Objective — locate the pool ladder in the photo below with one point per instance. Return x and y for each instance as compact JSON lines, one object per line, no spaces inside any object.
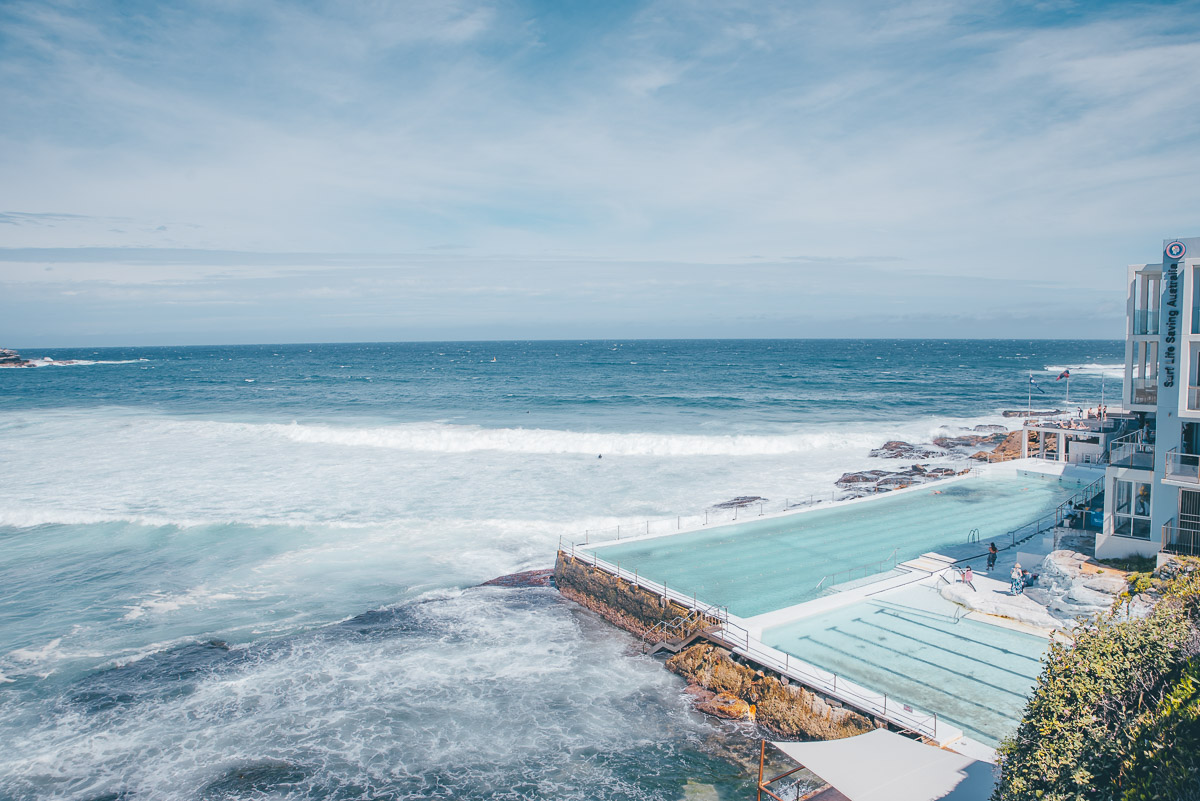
{"x":973,"y":535}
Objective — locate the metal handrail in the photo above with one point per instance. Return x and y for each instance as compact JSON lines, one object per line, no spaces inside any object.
{"x":880,"y":704}
{"x":1174,"y":543}
{"x":876,"y":704}
{"x":713,"y":515}
{"x":1174,"y":460}
{"x":850,"y":570}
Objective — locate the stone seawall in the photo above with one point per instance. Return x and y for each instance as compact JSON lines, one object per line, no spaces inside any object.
{"x":779,"y":706}
{"x":721,"y":685}
{"x":618,"y":601}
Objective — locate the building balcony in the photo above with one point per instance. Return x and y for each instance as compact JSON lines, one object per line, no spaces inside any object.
{"x":1182,"y":467}
{"x":1177,"y":540}
{"x":1135,"y":454}
{"x":1145,"y":322}
{"x":1145,"y":391}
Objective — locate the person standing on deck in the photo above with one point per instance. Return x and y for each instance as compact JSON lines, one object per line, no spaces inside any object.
{"x":992,"y":552}
{"x":968,"y":577}
{"x":1018,"y":580}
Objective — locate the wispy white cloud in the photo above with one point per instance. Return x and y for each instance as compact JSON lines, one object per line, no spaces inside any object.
{"x":960,"y":139}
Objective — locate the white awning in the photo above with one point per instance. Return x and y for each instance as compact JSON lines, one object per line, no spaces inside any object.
{"x":885,"y":766}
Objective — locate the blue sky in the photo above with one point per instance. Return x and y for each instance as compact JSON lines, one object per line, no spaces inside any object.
{"x":272,"y":172}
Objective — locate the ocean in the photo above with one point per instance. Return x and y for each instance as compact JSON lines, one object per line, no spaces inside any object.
{"x":252,"y":572}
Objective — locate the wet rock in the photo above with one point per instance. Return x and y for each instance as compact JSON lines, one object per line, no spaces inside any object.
{"x":724,"y":705}
{"x":787,"y":711}
{"x":967,"y":441}
{"x":1008,"y":448}
{"x":529,"y":578}
{"x":10,"y":358}
{"x":1035,"y":413}
{"x":741,"y":500}
{"x":864,"y":478}
{"x":898,"y":449}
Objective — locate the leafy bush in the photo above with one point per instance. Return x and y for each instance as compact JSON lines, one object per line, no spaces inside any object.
{"x":1115,"y":716}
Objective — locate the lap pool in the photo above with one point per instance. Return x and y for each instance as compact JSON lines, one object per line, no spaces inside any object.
{"x":769,"y":564}
{"x":909,"y":644}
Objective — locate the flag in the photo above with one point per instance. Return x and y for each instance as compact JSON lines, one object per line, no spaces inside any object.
{"x":1035,"y":385}
{"x":1063,"y":374}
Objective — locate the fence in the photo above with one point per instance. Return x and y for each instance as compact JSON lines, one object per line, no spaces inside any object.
{"x":868,"y":568}
{"x":717,"y":516}
{"x":738,"y":639}
{"x":1055,"y":519}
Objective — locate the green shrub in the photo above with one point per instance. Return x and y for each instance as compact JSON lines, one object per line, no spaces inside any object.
{"x":1112,"y":710}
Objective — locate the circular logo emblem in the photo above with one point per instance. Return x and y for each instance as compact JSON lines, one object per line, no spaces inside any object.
{"x":1176,"y":249}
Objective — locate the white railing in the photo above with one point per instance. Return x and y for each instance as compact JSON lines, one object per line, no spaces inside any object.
{"x":1183,"y":466}
{"x":1182,"y":541}
{"x":1132,"y":450}
{"x":868,"y":568}
{"x":738,"y":639}
{"x":715,"y":515}
{"x":879,"y":705}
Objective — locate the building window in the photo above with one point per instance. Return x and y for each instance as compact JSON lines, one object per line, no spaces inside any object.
{"x":1131,"y":512}
{"x":1145,"y":372}
{"x":1146,"y":303}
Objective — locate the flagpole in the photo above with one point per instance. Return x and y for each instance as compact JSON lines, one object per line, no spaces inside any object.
{"x":1068,"y":390}
{"x":1029,"y":401}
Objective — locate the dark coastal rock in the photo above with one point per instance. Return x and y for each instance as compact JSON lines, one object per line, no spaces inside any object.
{"x":864,"y":478}
{"x":1008,"y":448}
{"x":529,"y":578}
{"x":741,"y":500}
{"x":871,"y":481}
{"x":897,"y":449}
{"x":965,"y":441}
{"x":10,"y":358}
{"x":1034,"y":413}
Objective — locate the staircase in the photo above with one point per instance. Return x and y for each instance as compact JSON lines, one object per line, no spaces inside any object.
{"x":675,"y":635}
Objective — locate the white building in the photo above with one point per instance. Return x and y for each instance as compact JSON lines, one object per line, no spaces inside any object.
{"x":1152,"y":482}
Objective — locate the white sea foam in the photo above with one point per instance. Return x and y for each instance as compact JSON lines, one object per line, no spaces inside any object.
{"x":158,"y":603}
{"x":49,"y":362}
{"x":465,"y":439}
{"x":1107,"y":370}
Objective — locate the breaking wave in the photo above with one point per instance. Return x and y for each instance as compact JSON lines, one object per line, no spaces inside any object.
{"x":1109,"y":370}
{"x":463,"y":439}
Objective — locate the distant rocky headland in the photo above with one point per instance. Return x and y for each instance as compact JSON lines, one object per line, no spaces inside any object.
{"x":10,"y":358}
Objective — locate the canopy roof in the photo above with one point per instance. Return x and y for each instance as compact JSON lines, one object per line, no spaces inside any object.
{"x":885,"y":766}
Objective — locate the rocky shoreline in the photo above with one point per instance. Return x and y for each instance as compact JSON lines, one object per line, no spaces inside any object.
{"x":1004,"y":445}
{"x":10,"y":358}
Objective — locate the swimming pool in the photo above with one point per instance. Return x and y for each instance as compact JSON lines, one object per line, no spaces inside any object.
{"x":909,"y":644}
{"x":769,"y":564}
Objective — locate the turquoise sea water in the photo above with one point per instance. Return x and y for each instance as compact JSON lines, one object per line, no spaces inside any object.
{"x":250,"y":572}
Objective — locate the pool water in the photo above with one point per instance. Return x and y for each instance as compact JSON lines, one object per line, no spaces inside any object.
{"x":764,"y":565}
{"x":909,"y":645}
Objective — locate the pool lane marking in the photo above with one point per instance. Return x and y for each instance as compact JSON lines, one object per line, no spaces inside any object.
{"x":938,"y":689}
{"x":959,"y":637}
{"x":942,"y":668}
